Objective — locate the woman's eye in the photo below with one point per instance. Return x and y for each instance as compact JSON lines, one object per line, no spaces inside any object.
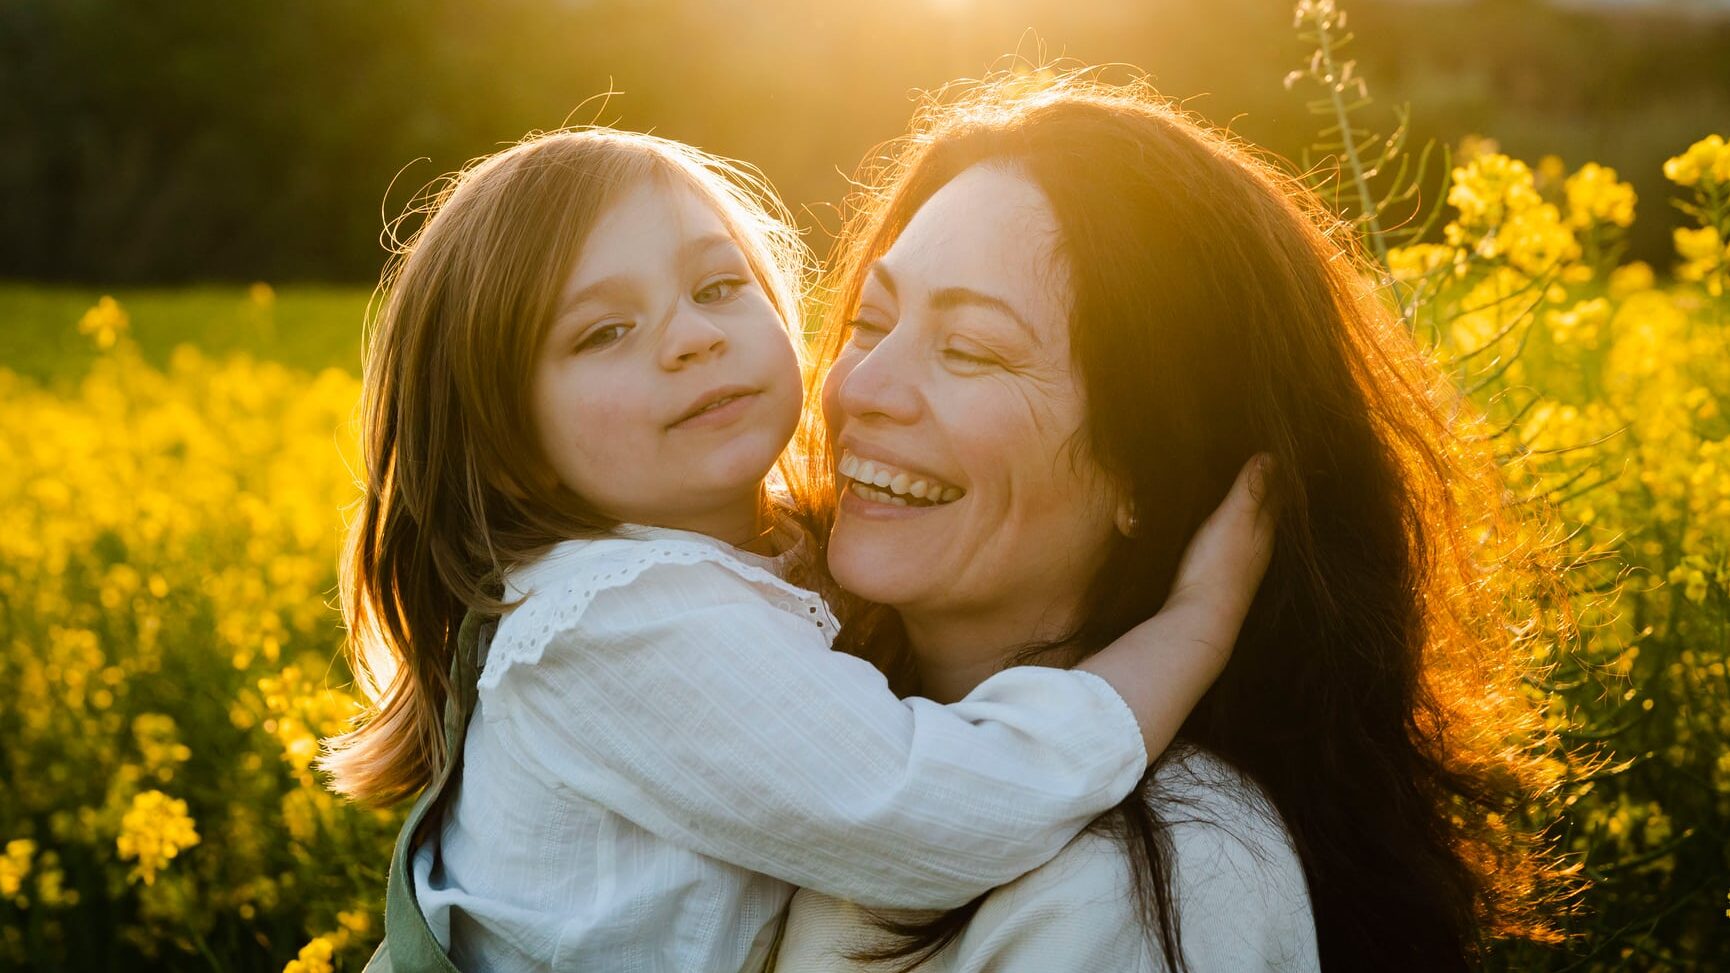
{"x":970,"y":360}
{"x":865,"y":334}
{"x":603,"y":336}
{"x":717,"y":291}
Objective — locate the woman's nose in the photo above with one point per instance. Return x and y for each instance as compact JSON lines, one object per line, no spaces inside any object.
{"x":882,"y":384}
{"x":690,"y":338}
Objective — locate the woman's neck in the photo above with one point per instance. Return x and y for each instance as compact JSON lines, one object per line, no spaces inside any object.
{"x":953,"y":653}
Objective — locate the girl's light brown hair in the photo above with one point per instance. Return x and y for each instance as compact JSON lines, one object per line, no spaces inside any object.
{"x":457,"y":488}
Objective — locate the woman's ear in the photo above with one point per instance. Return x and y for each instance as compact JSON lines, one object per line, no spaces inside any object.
{"x":1111,"y":499}
{"x":1127,"y":523}
{"x":1125,"y":515}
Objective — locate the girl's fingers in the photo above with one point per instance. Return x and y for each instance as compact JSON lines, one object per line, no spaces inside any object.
{"x":1232,"y":539}
{"x":1230,"y":552}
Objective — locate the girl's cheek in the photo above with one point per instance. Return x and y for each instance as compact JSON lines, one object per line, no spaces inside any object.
{"x":605,"y":395}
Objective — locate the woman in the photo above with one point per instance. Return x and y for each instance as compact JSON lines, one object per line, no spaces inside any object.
{"x":1078,"y":271}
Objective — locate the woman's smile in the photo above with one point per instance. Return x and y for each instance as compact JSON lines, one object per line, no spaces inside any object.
{"x":882,"y":481}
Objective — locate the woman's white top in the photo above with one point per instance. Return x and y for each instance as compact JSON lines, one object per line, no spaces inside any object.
{"x":664,"y":745}
{"x":1240,"y":894}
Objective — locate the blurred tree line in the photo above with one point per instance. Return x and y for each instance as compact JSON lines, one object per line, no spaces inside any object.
{"x":208,"y":140}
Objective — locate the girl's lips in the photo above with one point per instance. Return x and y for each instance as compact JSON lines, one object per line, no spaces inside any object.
{"x":729,"y":410}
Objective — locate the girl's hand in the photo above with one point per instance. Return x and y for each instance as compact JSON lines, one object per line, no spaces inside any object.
{"x":1223,"y":565}
{"x":1162,"y":667}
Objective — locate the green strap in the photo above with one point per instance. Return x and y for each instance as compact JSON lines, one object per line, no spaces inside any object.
{"x":409,"y":944}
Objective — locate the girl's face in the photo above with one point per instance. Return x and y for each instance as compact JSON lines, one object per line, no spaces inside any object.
{"x":666,"y":386}
{"x":957,"y":384}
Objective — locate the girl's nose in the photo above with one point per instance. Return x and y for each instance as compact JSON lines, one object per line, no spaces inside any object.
{"x":690,"y":338}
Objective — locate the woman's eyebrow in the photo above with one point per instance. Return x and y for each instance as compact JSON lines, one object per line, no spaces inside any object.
{"x":950,"y":298}
{"x":882,"y":275}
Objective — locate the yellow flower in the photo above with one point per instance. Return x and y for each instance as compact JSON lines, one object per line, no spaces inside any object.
{"x":1536,"y":241}
{"x":1690,"y":575}
{"x":1502,"y":216}
{"x":1579,"y":324}
{"x":356,"y":921}
{"x":106,"y":322}
{"x":1420,"y":260}
{"x":1698,"y":245}
{"x":1700,"y":401}
{"x":261,"y":295}
{"x":159,"y":743}
{"x":1496,"y":306}
{"x":15,"y":865}
{"x":1489,"y":188}
{"x":1595,"y":196}
{"x":50,"y":884}
{"x":1705,"y":257}
{"x":1631,"y":278}
{"x":315,"y":957}
{"x":1707,"y":160}
{"x":154,"y":830}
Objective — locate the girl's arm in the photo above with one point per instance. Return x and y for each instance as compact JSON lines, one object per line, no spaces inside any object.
{"x":706,"y":715}
{"x":1164,"y":665}
{"x":694,"y":706}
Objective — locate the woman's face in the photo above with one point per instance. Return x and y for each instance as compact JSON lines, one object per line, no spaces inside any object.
{"x":956,"y":400}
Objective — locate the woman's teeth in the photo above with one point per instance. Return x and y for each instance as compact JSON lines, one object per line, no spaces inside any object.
{"x":883,"y":483}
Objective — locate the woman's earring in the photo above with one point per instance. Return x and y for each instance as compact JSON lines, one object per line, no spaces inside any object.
{"x":1127,"y":524}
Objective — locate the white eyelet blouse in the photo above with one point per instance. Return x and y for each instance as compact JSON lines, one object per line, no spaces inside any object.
{"x":664,"y":745}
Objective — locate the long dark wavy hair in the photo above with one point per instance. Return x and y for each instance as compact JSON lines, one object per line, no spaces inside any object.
{"x":1374,"y":695}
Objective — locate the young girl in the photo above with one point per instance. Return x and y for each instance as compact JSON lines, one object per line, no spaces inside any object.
{"x":583,"y":373}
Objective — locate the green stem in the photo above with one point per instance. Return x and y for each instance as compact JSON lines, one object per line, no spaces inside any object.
{"x":1365,"y":201}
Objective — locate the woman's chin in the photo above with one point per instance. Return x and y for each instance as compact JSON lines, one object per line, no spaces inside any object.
{"x":882,"y":559}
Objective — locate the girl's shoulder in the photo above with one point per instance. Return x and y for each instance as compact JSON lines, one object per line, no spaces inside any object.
{"x":640,"y":574}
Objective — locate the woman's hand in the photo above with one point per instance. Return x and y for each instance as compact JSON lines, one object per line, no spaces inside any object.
{"x":1162,"y":667}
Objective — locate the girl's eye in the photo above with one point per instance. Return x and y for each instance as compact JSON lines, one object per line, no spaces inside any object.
{"x":717,"y":291}
{"x":865,"y":334}
{"x":601,"y":337}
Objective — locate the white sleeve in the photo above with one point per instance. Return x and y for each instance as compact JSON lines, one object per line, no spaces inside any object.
{"x":692,"y":705}
{"x":1239,"y":887}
